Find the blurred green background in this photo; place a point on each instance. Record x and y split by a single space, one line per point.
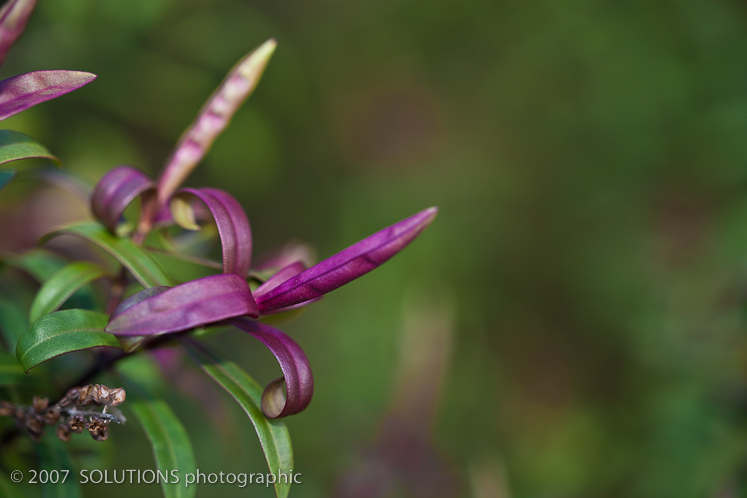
589 159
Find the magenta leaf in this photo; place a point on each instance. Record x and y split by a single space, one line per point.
13 18
277 279
26 90
299 383
281 276
233 225
116 190
193 304
347 265
213 119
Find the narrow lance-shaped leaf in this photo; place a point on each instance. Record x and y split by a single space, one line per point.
117 189
26 90
54 456
273 434
233 225
15 146
172 448
39 263
136 259
213 119
278 278
281 276
193 304
13 18
291 393
62 332
347 265
63 284
130 343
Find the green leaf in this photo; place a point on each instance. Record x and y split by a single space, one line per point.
172 448
273 434
61 285
141 264
42 264
54 456
11 374
5 177
39 263
62 332
15 145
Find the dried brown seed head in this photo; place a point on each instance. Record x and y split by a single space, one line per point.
77 424
115 397
85 395
102 434
63 432
70 397
34 422
102 393
40 404
7 409
51 416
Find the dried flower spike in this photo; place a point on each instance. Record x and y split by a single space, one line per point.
40 404
63 432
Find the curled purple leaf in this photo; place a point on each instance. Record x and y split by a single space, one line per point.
213 119
233 225
13 18
26 90
279 400
117 189
193 304
347 265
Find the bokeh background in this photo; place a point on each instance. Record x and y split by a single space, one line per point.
571 325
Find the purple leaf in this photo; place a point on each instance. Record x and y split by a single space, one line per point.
137 298
233 225
13 18
356 260
277 279
281 276
116 190
193 304
213 119
26 90
299 383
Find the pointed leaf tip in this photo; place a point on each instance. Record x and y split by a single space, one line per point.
345 266
212 119
26 90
